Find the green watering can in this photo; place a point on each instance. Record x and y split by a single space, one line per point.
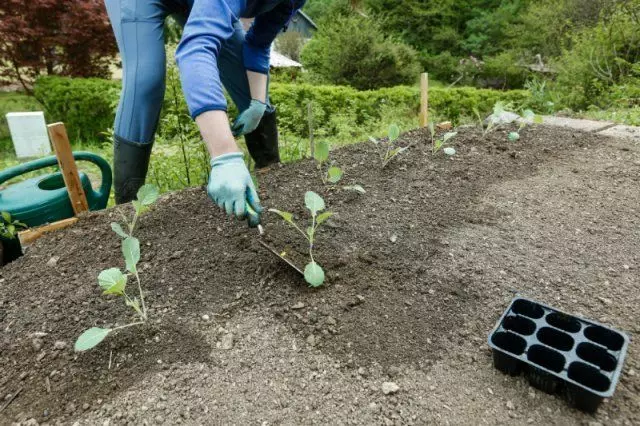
44 199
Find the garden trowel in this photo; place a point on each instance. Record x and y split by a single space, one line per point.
272 250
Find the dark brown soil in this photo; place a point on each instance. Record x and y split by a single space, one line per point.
418 271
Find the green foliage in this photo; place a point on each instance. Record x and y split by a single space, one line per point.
389 152
113 281
313 273
352 50
8 227
600 59
438 144
86 105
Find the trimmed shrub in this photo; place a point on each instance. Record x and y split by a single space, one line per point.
86 105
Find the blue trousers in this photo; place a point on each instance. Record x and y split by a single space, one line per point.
139 29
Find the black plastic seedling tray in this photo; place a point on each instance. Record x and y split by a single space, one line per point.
559 353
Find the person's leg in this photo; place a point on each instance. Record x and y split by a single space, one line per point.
138 27
262 143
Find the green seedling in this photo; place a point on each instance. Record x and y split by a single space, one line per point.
438 144
113 281
332 174
313 273
391 152
527 117
8 227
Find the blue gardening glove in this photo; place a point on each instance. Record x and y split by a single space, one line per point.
231 188
249 119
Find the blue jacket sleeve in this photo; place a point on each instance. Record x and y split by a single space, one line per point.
210 23
265 28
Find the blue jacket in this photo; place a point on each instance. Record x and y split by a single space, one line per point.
210 23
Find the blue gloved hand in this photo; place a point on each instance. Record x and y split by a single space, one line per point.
249 119
231 188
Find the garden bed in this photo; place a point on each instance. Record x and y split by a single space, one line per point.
418 271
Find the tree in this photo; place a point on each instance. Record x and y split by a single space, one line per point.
351 49
72 38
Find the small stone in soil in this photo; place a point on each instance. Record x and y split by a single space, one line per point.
389 388
393 238
227 341
510 405
331 321
205 317
311 340
37 344
298 305
53 261
60 345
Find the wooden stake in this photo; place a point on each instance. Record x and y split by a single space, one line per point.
312 144
30 235
62 147
424 100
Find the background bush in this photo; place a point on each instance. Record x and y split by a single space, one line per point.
85 105
352 50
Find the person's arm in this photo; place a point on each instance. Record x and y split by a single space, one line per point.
256 53
209 25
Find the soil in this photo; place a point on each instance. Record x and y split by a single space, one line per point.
418 271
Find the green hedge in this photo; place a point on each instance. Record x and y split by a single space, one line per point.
87 105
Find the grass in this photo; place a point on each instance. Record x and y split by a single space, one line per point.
629 116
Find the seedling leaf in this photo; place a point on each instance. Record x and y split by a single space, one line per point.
356 188
6 217
335 174
148 194
90 338
314 202
139 207
118 229
112 281
513 136
448 136
449 151
374 140
288 217
322 217
321 152
394 132
131 253
314 274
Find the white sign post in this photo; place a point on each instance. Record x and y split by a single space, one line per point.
29 134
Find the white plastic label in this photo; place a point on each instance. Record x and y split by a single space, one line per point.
29 134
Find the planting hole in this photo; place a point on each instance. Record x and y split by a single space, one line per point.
547 358
509 342
588 376
596 355
527 308
519 325
563 322
556 339
608 338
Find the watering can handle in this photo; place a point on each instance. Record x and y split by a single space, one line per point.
105 170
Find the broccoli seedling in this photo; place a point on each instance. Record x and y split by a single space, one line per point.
391 152
113 281
333 174
437 144
313 273
527 117
8 227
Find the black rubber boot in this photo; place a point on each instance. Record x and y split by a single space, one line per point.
262 143
130 165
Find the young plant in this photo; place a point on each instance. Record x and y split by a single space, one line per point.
332 174
313 273
527 117
493 121
8 227
391 152
437 144
113 281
